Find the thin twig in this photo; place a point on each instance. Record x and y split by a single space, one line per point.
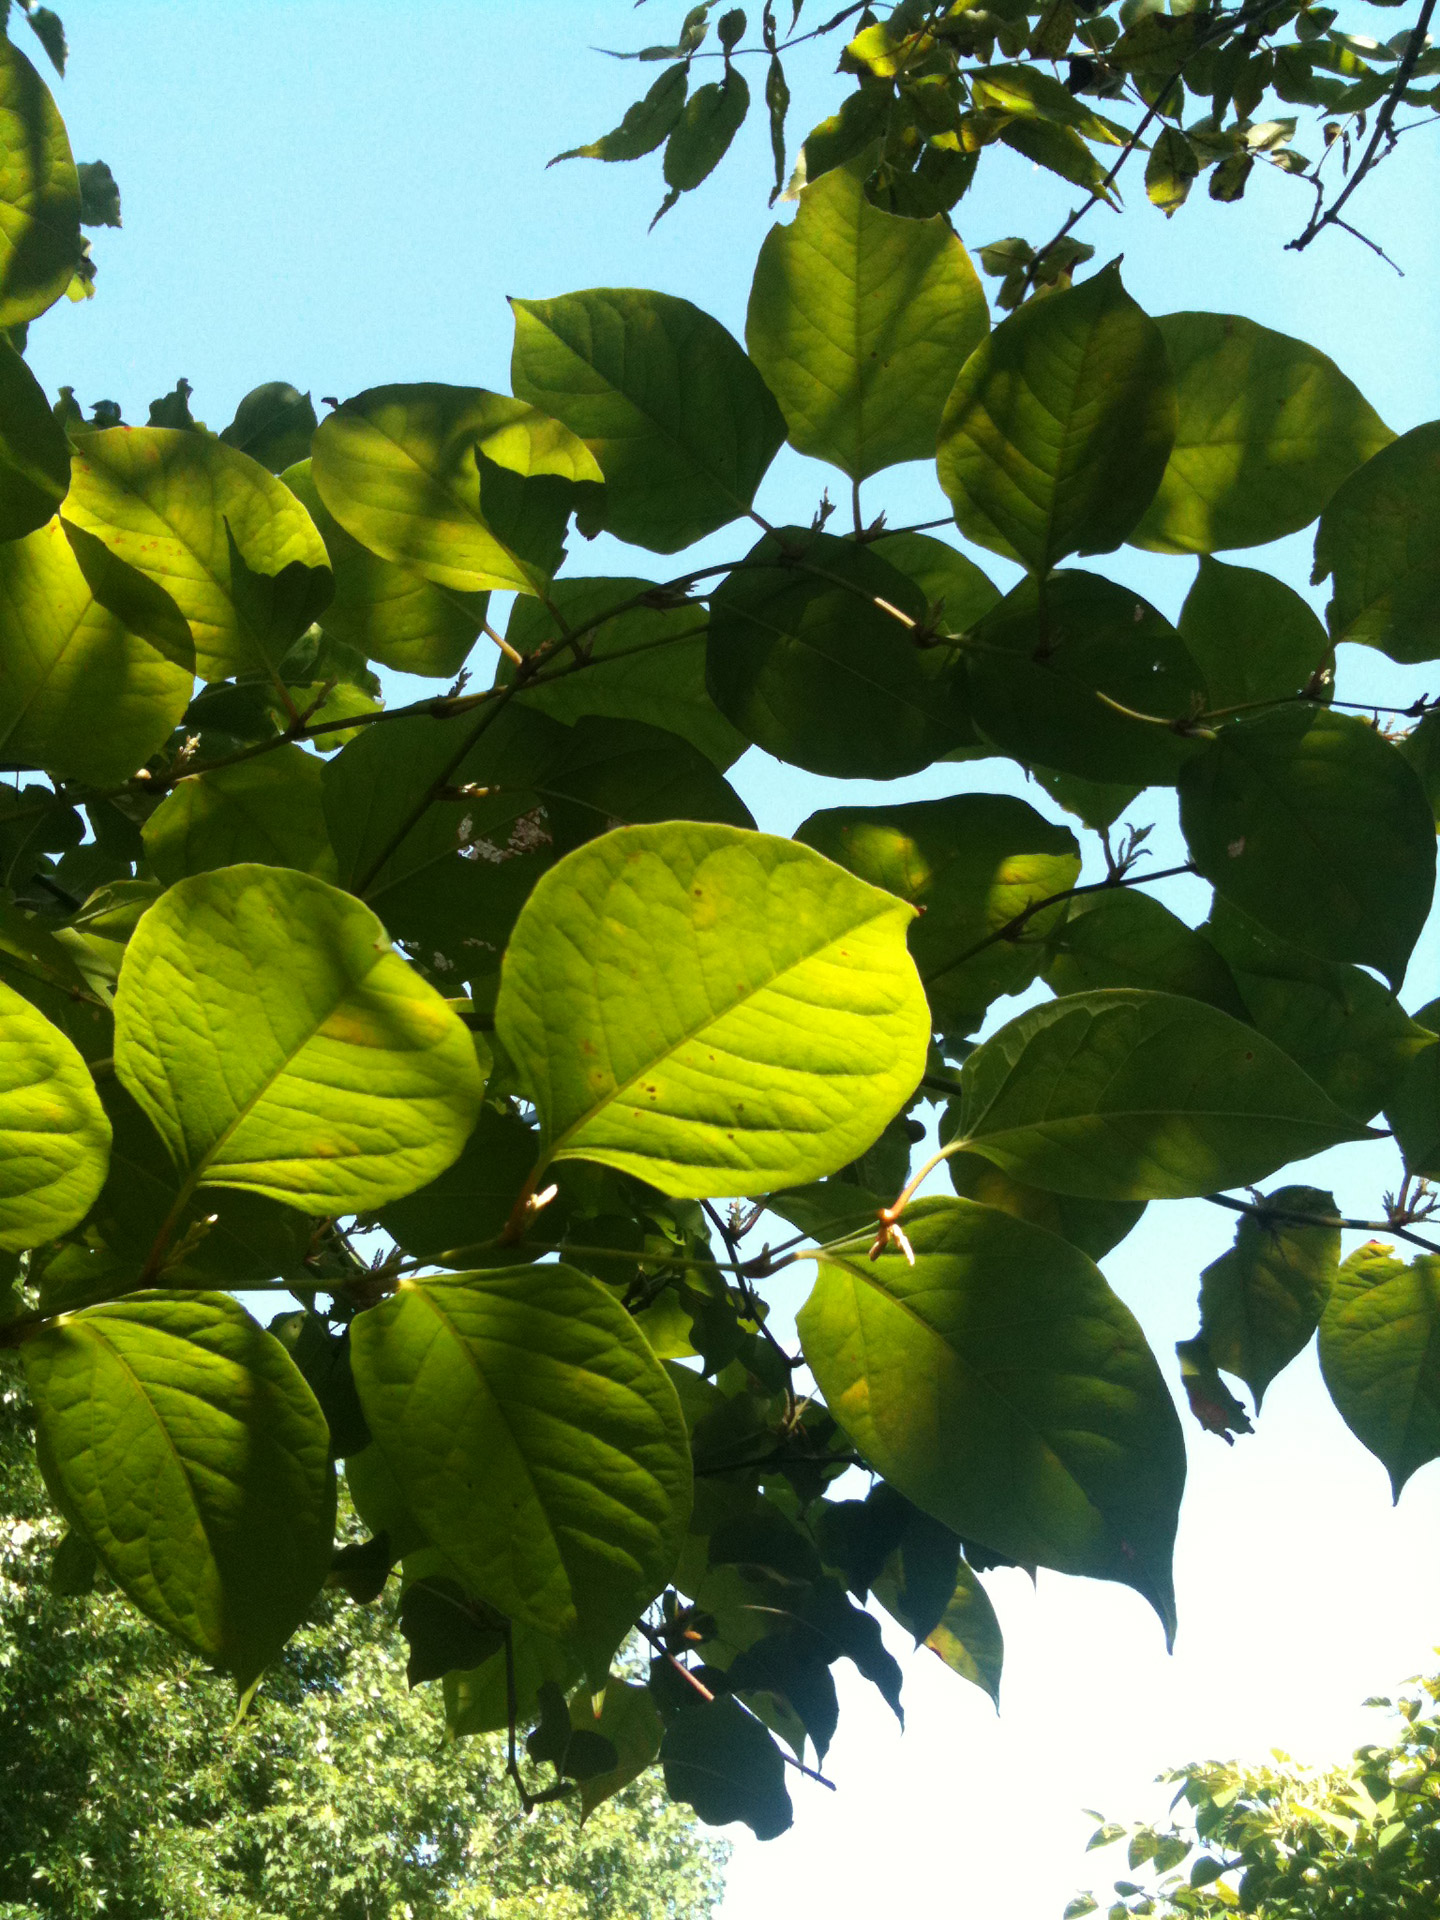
1330 217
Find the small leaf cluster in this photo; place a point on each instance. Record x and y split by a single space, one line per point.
1291 1842
488 1028
1205 89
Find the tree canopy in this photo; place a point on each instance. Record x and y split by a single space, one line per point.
1282 1841
127 1790
486 1026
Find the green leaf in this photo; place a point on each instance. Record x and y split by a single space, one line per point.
40 244
955 589
468 1205
54 1136
34 452
1313 824
970 865
1413 1105
1171 170
621 773
169 503
629 1720
467 488
537 1438
646 662
278 1044
1059 426
715 1011
860 322
1002 1386
140 604
477 1702
1380 1355
448 876
812 654
1140 1096
788 1669
1124 938
273 424
720 1759
1046 669
967 1637
183 1442
219 1238
701 137
84 698
1058 149
1268 428
267 810
387 612
1379 537
1095 1226
1348 1032
644 125
1252 637
682 425
1261 1301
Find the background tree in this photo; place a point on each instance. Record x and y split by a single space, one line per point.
1287 1842
127 1788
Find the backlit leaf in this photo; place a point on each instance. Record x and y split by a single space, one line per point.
1268 428
1252 637
1314 825
1048 672
536 1436
1095 1226
40 243
390 613
267 809
1059 426
1261 1301
467 488
170 502
718 1012
1350 1034
182 1440
1379 538
812 654
1123 938
682 425
1124 1095
54 1136
971 864
860 321
1380 1355
278 1044
83 697
645 663
1002 1386
273 424
34 452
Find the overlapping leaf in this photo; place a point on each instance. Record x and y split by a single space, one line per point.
1268 427
183 1442
536 1437
1059 426
1380 1354
682 425
1002 1386
1123 1095
54 1136
860 322
277 1043
718 1012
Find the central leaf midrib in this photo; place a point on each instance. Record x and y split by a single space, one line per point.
623 1087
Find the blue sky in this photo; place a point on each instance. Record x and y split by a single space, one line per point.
344 194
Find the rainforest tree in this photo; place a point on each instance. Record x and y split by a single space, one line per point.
487 1027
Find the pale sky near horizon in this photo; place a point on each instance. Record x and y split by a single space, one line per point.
339 194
